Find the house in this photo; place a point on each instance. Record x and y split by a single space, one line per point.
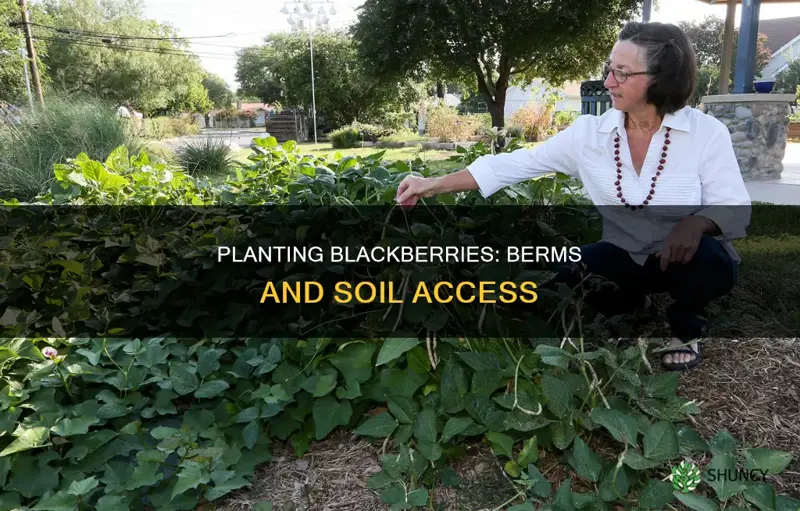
783 40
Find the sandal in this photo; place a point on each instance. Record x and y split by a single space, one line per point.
679 366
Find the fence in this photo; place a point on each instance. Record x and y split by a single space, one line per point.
595 99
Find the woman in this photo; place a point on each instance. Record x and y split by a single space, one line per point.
650 150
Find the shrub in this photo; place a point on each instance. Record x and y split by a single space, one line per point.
345 138
404 136
160 128
565 117
446 125
67 126
535 119
211 156
484 120
371 132
399 121
515 131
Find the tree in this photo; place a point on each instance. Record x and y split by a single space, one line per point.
345 91
12 64
491 43
788 80
255 71
218 91
153 75
707 38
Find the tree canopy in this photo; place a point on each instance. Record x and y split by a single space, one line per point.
155 76
12 73
280 71
491 43
219 92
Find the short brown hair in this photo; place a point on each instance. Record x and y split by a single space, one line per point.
671 63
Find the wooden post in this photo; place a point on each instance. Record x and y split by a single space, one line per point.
727 49
31 50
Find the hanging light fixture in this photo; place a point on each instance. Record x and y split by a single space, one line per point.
285 10
333 10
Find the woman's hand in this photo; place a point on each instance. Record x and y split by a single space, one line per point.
681 244
412 188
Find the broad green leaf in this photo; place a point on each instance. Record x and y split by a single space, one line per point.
529 453
481 361
773 462
222 489
587 463
379 426
553 356
320 385
609 491
785 503
512 468
558 394
637 461
394 348
501 444
661 442
418 498
61 501
190 477
82 487
247 415
404 409
717 474
146 473
455 426
563 432
661 385
403 434
77 426
761 495
209 362
622 427
723 443
539 484
425 426
183 377
454 386
112 503
691 442
250 434
328 413
30 439
354 361
656 494
211 389
525 506
430 450
696 502
264 505
418 360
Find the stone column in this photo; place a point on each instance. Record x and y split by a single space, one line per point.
758 126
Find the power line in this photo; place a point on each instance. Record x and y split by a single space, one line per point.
160 51
88 33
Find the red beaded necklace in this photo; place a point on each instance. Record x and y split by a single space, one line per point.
618 182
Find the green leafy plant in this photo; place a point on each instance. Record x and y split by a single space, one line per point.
209 156
155 421
345 138
68 126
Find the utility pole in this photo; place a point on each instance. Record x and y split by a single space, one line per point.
26 26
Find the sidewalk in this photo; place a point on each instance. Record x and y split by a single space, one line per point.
785 190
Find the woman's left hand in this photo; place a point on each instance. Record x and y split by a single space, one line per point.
682 242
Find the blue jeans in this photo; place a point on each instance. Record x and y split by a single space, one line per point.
710 274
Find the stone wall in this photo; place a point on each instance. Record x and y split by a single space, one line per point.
758 129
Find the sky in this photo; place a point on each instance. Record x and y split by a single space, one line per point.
246 22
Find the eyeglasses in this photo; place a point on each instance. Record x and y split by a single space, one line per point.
619 75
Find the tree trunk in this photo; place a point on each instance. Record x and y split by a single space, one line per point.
440 90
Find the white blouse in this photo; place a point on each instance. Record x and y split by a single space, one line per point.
700 176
